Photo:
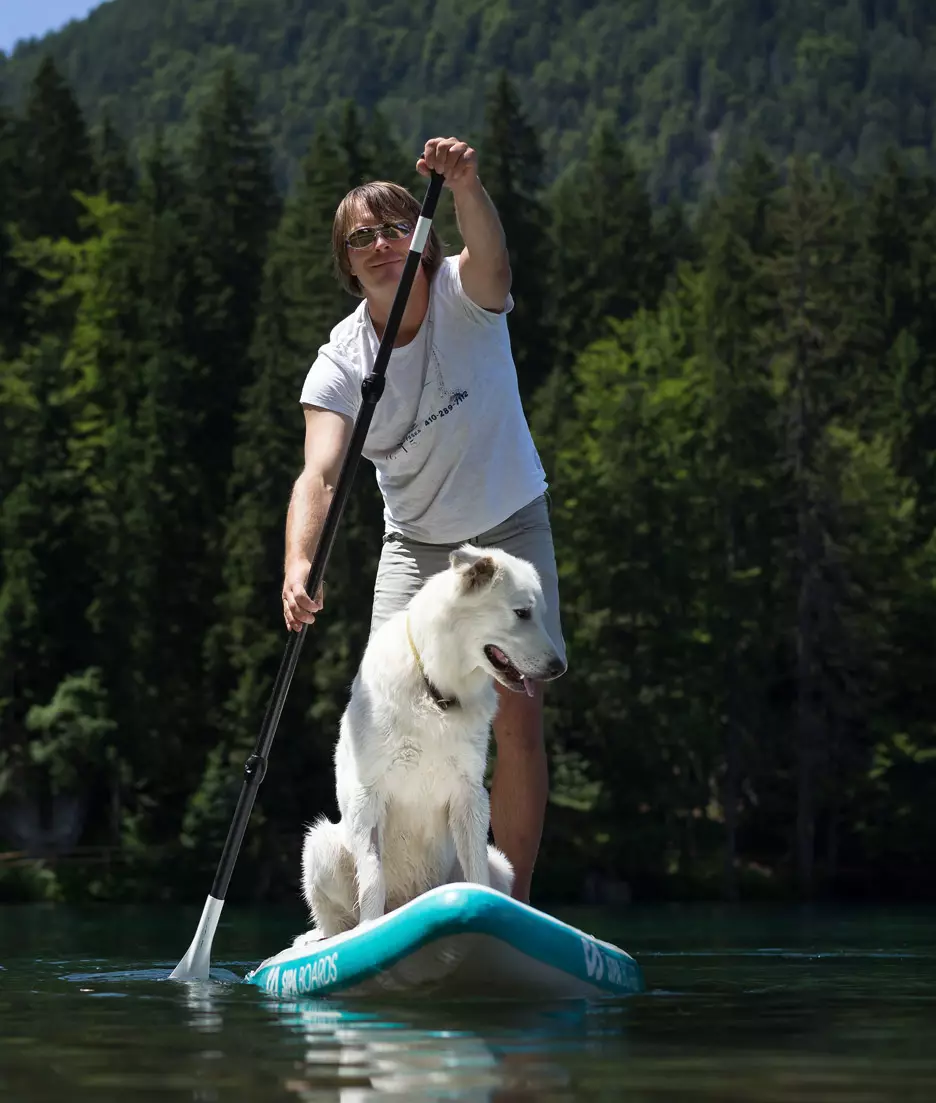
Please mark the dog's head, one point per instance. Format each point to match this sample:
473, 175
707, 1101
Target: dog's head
502, 601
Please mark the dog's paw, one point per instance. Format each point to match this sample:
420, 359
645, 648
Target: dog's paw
308, 937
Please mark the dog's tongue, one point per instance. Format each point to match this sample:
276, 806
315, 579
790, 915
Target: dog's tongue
528, 686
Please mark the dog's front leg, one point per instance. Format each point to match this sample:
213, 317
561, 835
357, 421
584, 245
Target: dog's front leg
364, 843
469, 818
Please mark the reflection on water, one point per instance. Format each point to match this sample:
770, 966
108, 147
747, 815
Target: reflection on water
378, 1056
746, 1005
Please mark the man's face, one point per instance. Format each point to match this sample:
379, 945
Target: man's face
378, 264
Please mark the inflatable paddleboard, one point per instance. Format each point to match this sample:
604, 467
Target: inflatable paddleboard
461, 941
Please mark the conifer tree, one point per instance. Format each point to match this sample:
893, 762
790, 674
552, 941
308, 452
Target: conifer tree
613, 261
10, 162
388, 158
57, 159
742, 448
902, 214
233, 207
511, 168
301, 302
44, 159
45, 538
822, 335
150, 601
635, 544
902, 206
115, 174
603, 229
47, 158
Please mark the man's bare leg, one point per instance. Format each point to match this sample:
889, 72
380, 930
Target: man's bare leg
520, 784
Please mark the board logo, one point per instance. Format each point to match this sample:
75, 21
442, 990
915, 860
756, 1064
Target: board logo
309, 977
598, 964
594, 965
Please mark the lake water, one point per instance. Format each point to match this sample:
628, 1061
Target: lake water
748, 1003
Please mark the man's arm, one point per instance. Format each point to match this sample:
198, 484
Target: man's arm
326, 441
484, 263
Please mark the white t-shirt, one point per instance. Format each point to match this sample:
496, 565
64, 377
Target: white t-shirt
449, 439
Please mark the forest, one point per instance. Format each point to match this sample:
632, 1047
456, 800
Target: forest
733, 391
689, 83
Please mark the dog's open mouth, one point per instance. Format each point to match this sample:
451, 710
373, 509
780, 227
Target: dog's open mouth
509, 674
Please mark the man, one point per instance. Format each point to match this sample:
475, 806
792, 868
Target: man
454, 456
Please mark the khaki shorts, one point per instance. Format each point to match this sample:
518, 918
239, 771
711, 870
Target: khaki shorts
406, 564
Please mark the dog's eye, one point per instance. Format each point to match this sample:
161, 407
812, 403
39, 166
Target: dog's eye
523, 614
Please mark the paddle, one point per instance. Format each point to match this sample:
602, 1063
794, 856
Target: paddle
195, 964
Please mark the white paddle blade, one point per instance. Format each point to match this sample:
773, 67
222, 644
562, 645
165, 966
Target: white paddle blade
197, 962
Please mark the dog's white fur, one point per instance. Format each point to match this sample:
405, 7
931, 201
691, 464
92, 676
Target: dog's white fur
409, 774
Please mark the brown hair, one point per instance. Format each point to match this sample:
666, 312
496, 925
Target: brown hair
387, 202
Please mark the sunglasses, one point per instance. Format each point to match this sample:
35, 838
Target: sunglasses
365, 237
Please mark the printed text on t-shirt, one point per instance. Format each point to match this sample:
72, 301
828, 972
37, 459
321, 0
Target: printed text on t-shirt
455, 399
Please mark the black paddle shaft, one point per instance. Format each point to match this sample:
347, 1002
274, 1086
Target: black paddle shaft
371, 390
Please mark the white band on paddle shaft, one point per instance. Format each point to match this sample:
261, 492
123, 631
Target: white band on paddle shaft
421, 234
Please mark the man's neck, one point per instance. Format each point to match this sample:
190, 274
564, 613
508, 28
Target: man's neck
413, 315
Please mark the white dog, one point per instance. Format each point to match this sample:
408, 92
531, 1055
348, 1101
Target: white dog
413, 743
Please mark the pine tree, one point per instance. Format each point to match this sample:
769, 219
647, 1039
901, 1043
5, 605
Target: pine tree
45, 159
11, 328
233, 207
603, 229
821, 339
613, 261
636, 539
167, 520
45, 537
511, 168
902, 213
115, 174
48, 514
903, 243
353, 142
150, 508
57, 159
301, 302
741, 462
162, 184
387, 158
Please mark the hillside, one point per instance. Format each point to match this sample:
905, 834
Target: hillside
737, 418
689, 81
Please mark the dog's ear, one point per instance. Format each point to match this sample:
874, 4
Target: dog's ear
480, 574
475, 569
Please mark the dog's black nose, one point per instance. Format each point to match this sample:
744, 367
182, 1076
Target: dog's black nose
555, 668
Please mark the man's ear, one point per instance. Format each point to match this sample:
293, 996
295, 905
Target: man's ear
475, 569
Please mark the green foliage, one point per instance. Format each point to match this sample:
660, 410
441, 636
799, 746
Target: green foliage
231, 207
733, 532
29, 882
115, 173
513, 174
57, 159
72, 732
688, 85
737, 418
299, 303
604, 232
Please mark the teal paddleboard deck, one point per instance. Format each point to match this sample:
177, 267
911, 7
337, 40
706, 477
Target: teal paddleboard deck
460, 941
